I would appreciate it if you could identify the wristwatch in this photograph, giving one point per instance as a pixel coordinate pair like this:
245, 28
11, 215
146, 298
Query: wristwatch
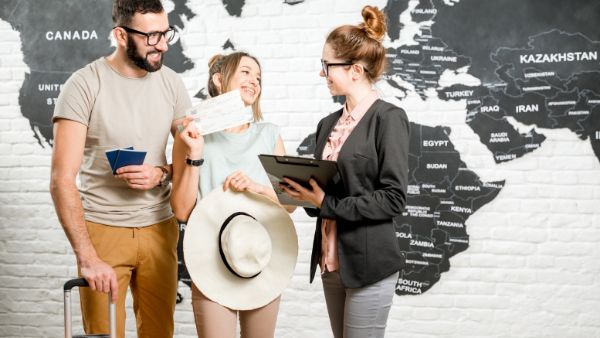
164, 179
194, 163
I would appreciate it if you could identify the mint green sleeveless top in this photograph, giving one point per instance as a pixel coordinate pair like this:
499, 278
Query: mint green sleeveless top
226, 152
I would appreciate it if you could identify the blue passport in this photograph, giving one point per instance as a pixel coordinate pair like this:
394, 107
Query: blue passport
122, 157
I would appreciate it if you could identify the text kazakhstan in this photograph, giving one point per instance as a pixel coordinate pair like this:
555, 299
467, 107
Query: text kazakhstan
558, 57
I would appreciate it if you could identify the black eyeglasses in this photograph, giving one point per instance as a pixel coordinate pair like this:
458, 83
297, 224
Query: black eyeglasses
325, 65
153, 38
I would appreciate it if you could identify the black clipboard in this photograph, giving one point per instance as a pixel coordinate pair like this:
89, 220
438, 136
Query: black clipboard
299, 169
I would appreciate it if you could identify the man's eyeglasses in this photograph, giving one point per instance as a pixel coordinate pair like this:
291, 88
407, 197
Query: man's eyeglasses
153, 38
325, 65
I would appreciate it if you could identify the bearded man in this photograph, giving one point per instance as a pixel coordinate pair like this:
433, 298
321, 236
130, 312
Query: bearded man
120, 226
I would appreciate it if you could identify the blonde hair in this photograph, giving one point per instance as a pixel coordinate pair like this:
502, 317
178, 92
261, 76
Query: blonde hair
226, 65
362, 42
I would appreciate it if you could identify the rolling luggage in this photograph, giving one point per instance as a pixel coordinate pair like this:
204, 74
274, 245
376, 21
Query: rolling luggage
112, 319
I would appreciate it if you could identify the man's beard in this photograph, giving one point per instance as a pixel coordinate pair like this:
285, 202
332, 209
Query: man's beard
140, 61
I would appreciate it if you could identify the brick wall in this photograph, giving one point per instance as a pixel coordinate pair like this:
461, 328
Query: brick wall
533, 265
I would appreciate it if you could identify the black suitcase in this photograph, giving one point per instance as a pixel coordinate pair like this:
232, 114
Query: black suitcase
112, 316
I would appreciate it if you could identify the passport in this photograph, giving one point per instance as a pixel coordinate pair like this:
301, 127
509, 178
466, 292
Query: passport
122, 157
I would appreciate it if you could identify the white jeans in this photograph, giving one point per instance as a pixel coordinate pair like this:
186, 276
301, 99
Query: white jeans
361, 312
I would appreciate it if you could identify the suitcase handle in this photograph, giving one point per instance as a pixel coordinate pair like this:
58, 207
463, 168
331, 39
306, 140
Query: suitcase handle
79, 282
112, 314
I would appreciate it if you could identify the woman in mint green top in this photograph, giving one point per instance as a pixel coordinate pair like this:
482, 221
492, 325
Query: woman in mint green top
225, 152
230, 162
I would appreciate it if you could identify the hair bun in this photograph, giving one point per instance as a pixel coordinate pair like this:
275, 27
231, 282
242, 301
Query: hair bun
374, 23
214, 59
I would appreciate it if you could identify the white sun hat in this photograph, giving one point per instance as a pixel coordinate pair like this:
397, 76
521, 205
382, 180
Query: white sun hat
240, 248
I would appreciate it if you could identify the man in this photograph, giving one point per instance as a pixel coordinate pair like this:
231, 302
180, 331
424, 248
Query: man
121, 226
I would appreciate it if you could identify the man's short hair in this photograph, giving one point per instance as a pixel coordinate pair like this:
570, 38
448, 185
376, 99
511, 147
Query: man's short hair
124, 10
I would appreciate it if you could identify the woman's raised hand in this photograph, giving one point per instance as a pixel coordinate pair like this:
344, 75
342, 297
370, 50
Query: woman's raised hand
193, 139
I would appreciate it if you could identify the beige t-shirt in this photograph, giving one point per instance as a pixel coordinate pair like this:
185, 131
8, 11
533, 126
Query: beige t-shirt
121, 112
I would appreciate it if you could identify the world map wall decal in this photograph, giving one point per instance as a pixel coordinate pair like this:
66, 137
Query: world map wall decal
531, 67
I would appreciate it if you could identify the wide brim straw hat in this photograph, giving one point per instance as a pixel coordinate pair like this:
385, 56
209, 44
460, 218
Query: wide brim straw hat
240, 248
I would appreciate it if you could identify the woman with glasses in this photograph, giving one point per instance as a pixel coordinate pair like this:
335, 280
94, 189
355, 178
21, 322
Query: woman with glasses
229, 160
355, 241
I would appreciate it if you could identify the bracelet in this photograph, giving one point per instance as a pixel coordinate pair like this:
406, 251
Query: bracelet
194, 163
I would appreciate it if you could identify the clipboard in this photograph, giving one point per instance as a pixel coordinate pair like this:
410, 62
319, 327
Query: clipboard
299, 169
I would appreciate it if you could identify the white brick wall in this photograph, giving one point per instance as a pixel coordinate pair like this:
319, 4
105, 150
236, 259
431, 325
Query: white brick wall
533, 265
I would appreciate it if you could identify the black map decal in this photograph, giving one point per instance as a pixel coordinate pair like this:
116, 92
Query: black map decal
55, 48
234, 7
393, 9
442, 194
542, 74
535, 67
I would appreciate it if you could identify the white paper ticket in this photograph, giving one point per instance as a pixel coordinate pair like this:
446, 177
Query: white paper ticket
220, 112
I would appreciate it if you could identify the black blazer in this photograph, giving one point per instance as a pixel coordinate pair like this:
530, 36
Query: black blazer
370, 192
